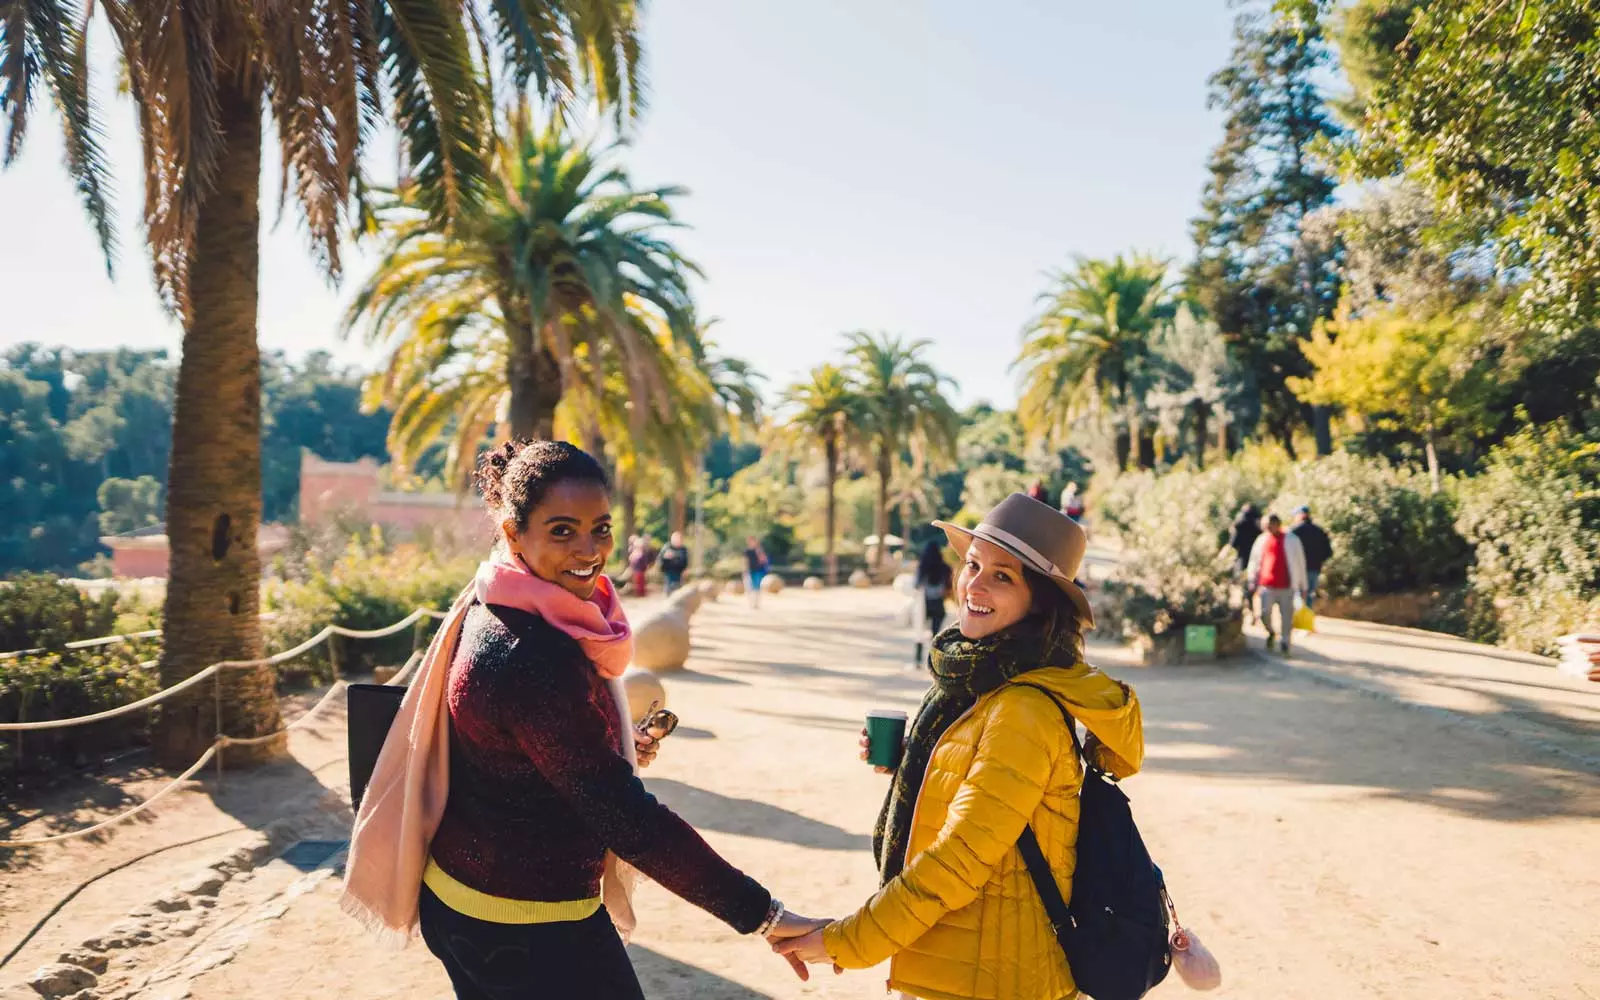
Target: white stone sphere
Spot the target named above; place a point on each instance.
(687, 598)
(813, 583)
(772, 583)
(860, 579)
(643, 688)
(661, 641)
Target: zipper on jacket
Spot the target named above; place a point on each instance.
(916, 806)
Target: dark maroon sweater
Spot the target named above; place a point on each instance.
(539, 789)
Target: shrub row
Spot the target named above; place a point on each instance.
(1521, 538)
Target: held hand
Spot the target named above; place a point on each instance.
(1593, 649)
(646, 747)
(792, 925)
(807, 949)
(866, 746)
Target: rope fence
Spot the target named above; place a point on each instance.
(188, 682)
(221, 741)
(105, 640)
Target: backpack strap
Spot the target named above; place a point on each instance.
(1044, 880)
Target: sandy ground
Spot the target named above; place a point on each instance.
(1324, 842)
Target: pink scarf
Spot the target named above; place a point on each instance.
(410, 784)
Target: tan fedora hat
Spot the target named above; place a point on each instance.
(1046, 540)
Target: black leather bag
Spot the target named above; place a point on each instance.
(1116, 932)
(370, 709)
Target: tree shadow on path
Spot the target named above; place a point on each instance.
(669, 979)
(709, 810)
(1255, 722)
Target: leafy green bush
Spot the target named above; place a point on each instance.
(1390, 531)
(1198, 500)
(367, 587)
(1533, 518)
(64, 684)
(39, 611)
(1172, 527)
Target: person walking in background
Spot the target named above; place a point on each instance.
(1038, 492)
(1319, 549)
(674, 560)
(1241, 540)
(1072, 503)
(934, 581)
(1277, 570)
(756, 565)
(639, 559)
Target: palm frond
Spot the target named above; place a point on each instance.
(439, 104)
(50, 37)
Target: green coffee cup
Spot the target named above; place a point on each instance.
(886, 735)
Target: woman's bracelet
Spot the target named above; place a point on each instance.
(774, 915)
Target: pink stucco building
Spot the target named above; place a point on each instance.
(350, 491)
(144, 553)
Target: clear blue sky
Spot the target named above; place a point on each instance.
(898, 165)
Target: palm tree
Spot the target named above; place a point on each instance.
(200, 76)
(557, 256)
(904, 408)
(1198, 380)
(733, 394)
(825, 411)
(448, 379)
(1090, 347)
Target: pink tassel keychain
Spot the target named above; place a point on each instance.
(1196, 966)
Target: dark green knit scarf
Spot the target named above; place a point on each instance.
(963, 670)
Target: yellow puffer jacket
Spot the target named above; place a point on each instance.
(963, 921)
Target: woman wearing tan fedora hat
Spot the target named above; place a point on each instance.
(957, 915)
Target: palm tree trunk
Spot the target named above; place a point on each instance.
(594, 442)
(1147, 446)
(535, 381)
(1322, 428)
(881, 520)
(678, 510)
(1202, 437)
(630, 507)
(213, 598)
(831, 447)
(1124, 447)
(1432, 450)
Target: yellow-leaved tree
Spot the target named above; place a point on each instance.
(1432, 374)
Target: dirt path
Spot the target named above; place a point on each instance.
(34, 881)
(1327, 844)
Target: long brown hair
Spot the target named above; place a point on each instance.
(1052, 608)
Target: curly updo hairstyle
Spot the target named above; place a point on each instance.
(515, 477)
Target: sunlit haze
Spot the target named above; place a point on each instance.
(909, 167)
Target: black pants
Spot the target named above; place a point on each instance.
(561, 961)
(935, 613)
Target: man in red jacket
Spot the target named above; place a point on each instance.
(1277, 571)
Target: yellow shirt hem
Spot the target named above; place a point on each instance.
(469, 902)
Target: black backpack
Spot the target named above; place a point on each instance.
(1115, 932)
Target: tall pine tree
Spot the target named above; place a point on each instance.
(1260, 281)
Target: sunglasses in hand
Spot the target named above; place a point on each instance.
(657, 722)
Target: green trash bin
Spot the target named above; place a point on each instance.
(1200, 640)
